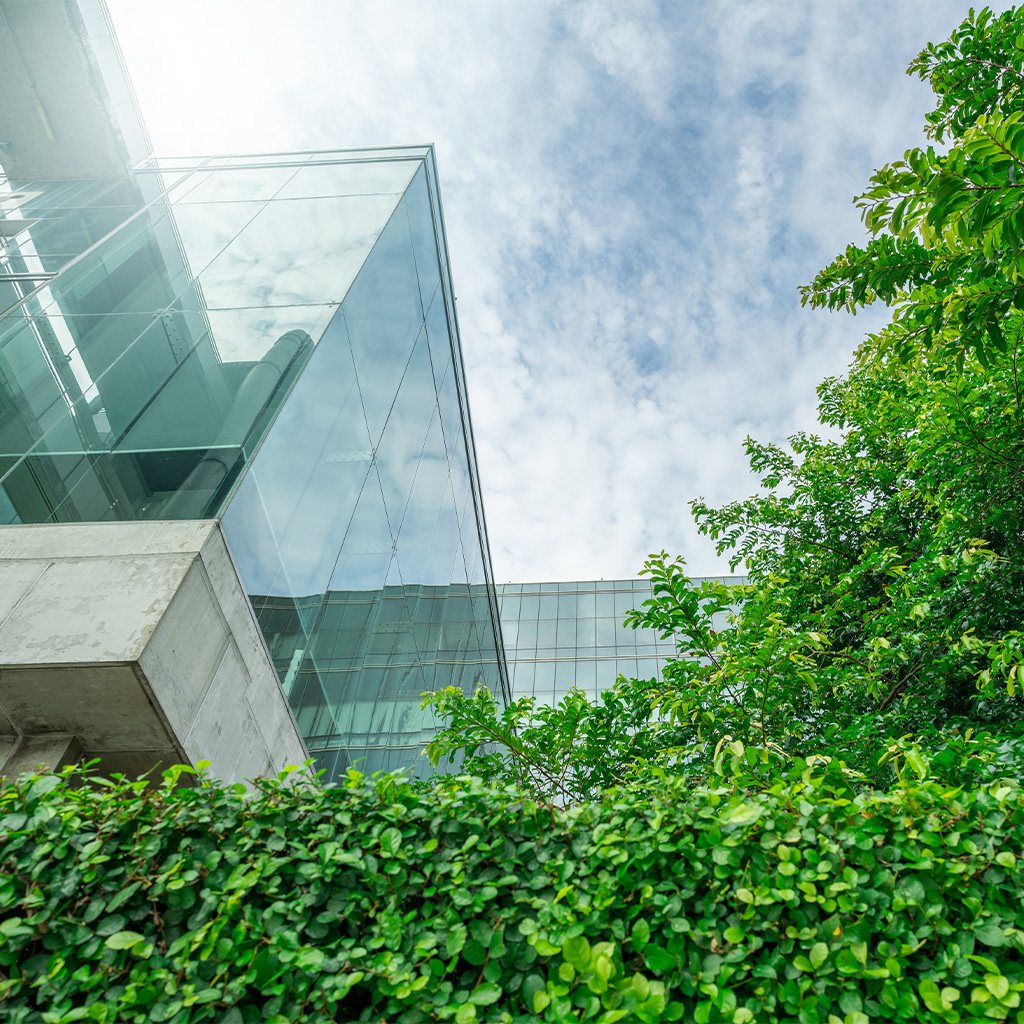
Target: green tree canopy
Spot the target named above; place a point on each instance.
(948, 227)
(886, 597)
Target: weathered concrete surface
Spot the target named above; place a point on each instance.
(51, 751)
(68, 110)
(137, 640)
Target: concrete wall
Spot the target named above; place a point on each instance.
(67, 109)
(135, 643)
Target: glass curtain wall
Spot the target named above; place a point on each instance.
(270, 341)
(358, 529)
(564, 635)
(150, 327)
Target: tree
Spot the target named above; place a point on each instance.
(886, 595)
(948, 228)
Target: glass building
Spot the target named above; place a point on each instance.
(269, 341)
(564, 635)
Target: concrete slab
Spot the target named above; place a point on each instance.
(104, 540)
(18, 578)
(186, 648)
(47, 753)
(91, 610)
(223, 716)
(109, 704)
(138, 640)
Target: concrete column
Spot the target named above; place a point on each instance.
(136, 642)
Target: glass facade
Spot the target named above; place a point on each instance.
(270, 341)
(561, 635)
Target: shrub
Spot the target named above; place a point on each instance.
(385, 901)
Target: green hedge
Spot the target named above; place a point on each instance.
(387, 902)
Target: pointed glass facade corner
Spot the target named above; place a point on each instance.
(269, 341)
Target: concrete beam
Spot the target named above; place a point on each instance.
(67, 107)
(138, 640)
(49, 752)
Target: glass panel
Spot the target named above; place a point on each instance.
(546, 630)
(350, 179)
(403, 555)
(586, 632)
(565, 677)
(586, 676)
(206, 231)
(401, 445)
(606, 674)
(229, 185)
(527, 634)
(125, 355)
(385, 318)
(440, 343)
(256, 346)
(304, 250)
(425, 554)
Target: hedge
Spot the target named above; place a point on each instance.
(385, 901)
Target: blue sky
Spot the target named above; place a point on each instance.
(633, 194)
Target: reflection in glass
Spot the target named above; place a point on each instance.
(269, 341)
(588, 634)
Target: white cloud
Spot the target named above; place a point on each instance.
(633, 192)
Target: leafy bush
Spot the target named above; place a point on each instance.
(387, 901)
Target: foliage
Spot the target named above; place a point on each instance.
(885, 564)
(565, 754)
(948, 251)
(886, 598)
(388, 901)
(887, 588)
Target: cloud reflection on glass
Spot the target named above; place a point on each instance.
(272, 344)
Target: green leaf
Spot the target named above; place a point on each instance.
(485, 994)
(991, 934)
(742, 814)
(41, 787)
(850, 1001)
(640, 934)
(310, 959)
(998, 985)
(658, 959)
(577, 952)
(456, 940)
(123, 940)
(390, 841)
(818, 954)
(532, 984)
